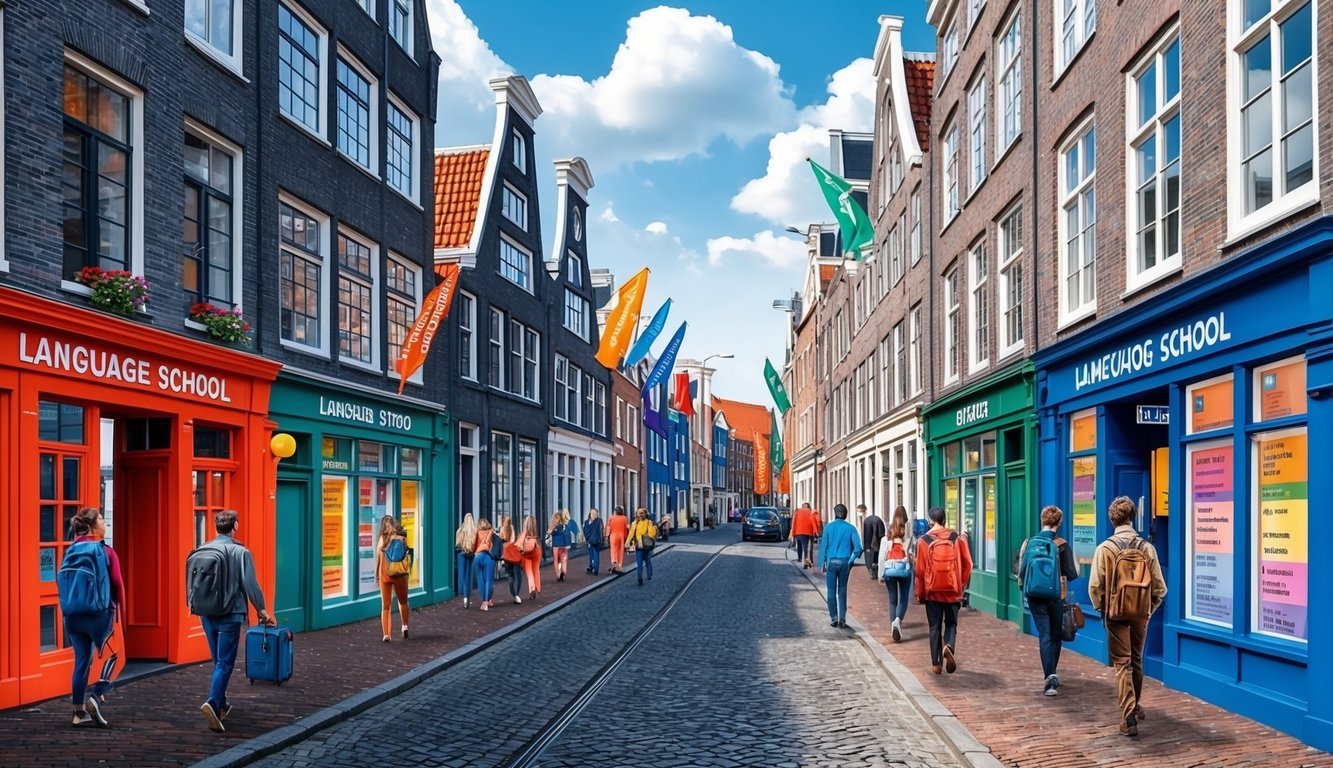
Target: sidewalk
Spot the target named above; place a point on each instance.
(997, 695)
(156, 721)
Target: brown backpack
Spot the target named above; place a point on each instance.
(1129, 587)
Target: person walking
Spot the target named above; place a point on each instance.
(530, 544)
(92, 594)
(943, 571)
(617, 534)
(1046, 566)
(804, 527)
(465, 545)
(1126, 585)
(391, 584)
(225, 611)
(513, 571)
(872, 533)
(592, 534)
(841, 548)
(896, 555)
(483, 562)
(643, 532)
(561, 540)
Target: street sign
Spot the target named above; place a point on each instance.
(1154, 414)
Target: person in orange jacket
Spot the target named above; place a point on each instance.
(805, 525)
(943, 571)
(617, 531)
(530, 544)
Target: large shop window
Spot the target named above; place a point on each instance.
(1083, 481)
(969, 467)
(213, 475)
(63, 458)
(1210, 488)
(381, 480)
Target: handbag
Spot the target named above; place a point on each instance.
(511, 553)
(1071, 622)
(497, 547)
(897, 569)
(646, 542)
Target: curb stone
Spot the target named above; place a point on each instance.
(949, 727)
(278, 739)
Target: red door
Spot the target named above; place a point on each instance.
(142, 546)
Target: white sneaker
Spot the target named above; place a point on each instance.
(897, 631)
(517, 599)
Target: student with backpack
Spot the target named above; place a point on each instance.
(1126, 585)
(393, 564)
(1046, 566)
(220, 585)
(896, 554)
(943, 571)
(91, 592)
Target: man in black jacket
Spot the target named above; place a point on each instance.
(872, 533)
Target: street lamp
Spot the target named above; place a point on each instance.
(720, 355)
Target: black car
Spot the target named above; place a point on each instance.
(761, 523)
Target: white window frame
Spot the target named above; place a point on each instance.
(978, 306)
(408, 33)
(886, 401)
(914, 348)
(237, 204)
(900, 363)
(376, 309)
(916, 225)
(518, 151)
(412, 193)
(1153, 128)
(325, 280)
(949, 45)
(372, 115)
(526, 266)
(951, 190)
(976, 115)
(468, 320)
(1240, 223)
(560, 389)
(321, 131)
(233, 60)
(496, 348)
(1071, 29)
(574, 269)
(974, 9)
(368, 6)
(1009, 259)
(1077, 196)
(510, 199)
(1008, 83)
(583, 306)
(417, 376)
(952, 326)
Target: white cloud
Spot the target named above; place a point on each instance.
(787, 194)
(608, 214)
(466, 102)
(656, 228)
(778, 250)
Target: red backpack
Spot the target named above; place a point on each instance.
(942, 564)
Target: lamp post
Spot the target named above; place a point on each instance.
(706, 430)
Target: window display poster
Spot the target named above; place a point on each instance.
(1211, 406)
(988, 511)
(409, 516)
(1212, 521)
(970, 515)
(951, 504)
(1282, 390)
(1083, 431)
(1283, 534)
(332, 537)
(1085, 508)
(366, 522)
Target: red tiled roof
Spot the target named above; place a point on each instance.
(458, 177)
(746, 418)
(920, 89)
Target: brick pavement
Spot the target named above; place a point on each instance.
(996, 693)
(155, 721)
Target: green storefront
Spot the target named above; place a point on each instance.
(359, 456)
(981, 445)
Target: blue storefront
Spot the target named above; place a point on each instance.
(1209, 407)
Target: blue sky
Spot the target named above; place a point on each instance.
(694, 120)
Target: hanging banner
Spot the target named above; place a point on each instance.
(644, 345)
(777, 456)
(683, 400)
(1212, 524)
(436, 307)
(763, 471)
(775, 387)
(620, 324)
(784, 480)
(664, 363)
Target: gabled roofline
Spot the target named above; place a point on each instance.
(889, 52)
(464, 257)
(509, 91)
(570, 173)
(515, 91)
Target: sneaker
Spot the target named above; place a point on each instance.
(1053, 680)
(81, 718)
(467, 603)
(484, 607)
(897, 631)
(936, 668)
(1139, 714)
(1130, 727)
(517, 600)
(211, 715)
(404, 633)
(226, 710)
(833, 623)
(950, 665)
(95, 710)
(386, 637)
(1052, 686)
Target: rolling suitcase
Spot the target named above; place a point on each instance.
(268, 654)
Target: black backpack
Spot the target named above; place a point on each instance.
(209, 582)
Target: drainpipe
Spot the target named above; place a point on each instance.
(1036, 262)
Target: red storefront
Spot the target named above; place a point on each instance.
(156, 429)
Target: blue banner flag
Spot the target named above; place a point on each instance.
(664, 363)
(644, 344)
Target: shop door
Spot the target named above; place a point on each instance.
(1132, 477)
(1016, 514)
(141, 542)
(293, 567)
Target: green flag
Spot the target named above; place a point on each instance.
(855, 225)
(776, 456)
(775, 387)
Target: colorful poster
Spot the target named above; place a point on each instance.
(1083, 431)
(970, 515)
(1284, 534)
(332, 539)
(409, 517)
(1212, 406)
(990, 560)
(1212, 524)
(365, 535)
(951, 504)
(1085, 508)
(1282, 390)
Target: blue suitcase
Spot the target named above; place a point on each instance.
(268, 654)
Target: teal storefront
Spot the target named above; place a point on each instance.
(359, 456)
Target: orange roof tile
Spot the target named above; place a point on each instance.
(826, 273)
(458, 178)
(920, 88)
(746, 418)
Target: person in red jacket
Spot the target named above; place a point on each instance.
(805, 525)
(943, 571)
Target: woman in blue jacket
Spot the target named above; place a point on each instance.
(592, 534)
(561, 539)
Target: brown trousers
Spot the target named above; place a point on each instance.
(389, 589)
(1124, 643)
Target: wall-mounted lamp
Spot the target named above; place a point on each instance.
(282, 445)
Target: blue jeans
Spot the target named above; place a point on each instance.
(1048, 615)
(224, 638)
(802, 546)
(85, 632)
(643, 558)
(514, 573)
(594, 559)
(835, 583)
(484, 567)
(464, 573)
(900, 590)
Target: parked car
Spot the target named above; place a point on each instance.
(762, 523)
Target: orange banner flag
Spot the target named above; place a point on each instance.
(784, 479)
(434, 309)
(763, 473)
(619, 330)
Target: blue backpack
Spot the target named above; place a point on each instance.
(82, 581)
(396, 552)
(1041, 569)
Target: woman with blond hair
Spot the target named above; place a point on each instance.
(391, 585)
(530, 545)
(561, 540)
(483, 563)
(513, 571)
(642, 532)
(465, 540)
